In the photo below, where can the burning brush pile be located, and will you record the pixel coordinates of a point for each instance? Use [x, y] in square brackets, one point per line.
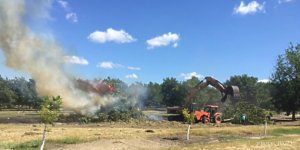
[125, 105]
[39, 55]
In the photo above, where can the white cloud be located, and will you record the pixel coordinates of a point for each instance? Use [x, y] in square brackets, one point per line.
[64, 4]
[75, 60]
[109, 65]
[111, 35]
[250, 8]
[72, 17]
[134, 68]
[264, 80]
[284, 1]
[188, 76]
[164, 40]
[131, 76]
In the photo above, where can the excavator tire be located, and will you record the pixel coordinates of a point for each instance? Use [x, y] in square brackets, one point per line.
[218, 119]
[204, 120]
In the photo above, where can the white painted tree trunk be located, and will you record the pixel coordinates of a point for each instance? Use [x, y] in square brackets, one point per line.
[266, 127]
[188, 133]
[44, 138]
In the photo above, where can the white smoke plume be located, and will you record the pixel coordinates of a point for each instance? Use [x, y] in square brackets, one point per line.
[41, 57]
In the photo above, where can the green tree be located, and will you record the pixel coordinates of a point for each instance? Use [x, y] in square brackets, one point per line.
[154, 95]
[286, 81]
[25, 91]
[263, 96]
[247, 86]
[7, 96]
[173, 92]
[119, 86]
[136, 94]
[49, 113]
[189, 117]
[205, 96]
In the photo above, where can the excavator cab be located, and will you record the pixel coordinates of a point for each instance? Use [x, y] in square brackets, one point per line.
[193, 107]
[212, 111]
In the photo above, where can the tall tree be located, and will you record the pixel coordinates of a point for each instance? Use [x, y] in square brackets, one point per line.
[247, 86]
[7, 96]
[25, 91]
[286, 81]
[205, 96]
[136, 94]
[173, 92]
[154, 95]
[263, 96]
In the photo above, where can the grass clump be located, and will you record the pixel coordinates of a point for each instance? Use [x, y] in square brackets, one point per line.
[282, 131]
[30, 145]
[35, 144]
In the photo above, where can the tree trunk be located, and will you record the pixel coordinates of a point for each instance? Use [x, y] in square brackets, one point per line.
[265, 128]
[294, 115]
[44, 138]
[188, 133]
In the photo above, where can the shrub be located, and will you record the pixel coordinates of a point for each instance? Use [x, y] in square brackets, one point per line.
[254, 114]
[101, 117]
[188, 117]
[125, 115]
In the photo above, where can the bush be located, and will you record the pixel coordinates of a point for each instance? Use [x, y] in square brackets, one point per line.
[101, 117]
[188, 117]
[119, 115]
[85, 120]
[73, 117]
[254, 114]
[125, 115]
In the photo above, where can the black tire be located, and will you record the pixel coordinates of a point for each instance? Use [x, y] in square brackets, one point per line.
[204, 119]
[196, 120]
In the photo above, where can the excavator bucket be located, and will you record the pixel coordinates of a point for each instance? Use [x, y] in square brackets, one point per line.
[233, 91]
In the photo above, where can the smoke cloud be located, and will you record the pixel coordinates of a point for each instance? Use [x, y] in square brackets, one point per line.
[42, 57]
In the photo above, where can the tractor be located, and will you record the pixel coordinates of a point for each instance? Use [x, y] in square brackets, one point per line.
[209, 114]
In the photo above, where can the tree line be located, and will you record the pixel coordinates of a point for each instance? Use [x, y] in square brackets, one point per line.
[174, 93]
[18, 93]
[281, 93]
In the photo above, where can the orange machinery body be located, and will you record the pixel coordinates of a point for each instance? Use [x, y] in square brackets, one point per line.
[207, 115]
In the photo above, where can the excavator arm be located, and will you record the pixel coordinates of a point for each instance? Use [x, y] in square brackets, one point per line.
[233, 91]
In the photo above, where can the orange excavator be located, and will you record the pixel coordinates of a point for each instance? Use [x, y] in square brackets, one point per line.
[210, 112]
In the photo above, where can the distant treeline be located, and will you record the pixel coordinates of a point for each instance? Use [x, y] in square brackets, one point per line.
[22, 93]
[18, 93]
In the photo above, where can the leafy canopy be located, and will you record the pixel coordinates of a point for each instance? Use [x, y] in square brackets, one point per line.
[51, 109]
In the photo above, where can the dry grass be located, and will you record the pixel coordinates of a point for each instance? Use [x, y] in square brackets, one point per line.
[167, 134]
[138, 135]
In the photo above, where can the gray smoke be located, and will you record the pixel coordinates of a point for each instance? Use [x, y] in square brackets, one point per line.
[41, 57]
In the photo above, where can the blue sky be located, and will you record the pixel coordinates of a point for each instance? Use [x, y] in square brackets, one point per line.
[139, 40]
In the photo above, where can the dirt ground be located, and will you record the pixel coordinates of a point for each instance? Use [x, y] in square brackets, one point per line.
[148, 135]
[120, 144]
